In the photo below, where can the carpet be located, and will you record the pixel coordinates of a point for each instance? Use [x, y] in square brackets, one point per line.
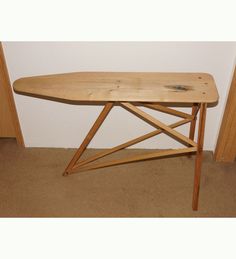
[32, 185]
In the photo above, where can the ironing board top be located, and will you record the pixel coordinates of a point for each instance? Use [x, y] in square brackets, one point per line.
[122, 86]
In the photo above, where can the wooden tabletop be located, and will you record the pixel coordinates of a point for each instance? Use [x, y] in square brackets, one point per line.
[122, 86]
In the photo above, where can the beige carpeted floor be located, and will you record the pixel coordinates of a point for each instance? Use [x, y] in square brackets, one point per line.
[32, 185]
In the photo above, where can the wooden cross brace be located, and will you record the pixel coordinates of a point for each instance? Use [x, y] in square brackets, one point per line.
[76, 165]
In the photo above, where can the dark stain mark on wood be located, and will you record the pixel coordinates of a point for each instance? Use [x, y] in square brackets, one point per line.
[179, 88]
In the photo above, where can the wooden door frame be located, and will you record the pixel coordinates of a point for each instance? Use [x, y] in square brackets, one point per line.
[226, 144]
[5, 82]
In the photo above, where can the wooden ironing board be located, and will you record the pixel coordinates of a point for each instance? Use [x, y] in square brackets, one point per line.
[131, 90]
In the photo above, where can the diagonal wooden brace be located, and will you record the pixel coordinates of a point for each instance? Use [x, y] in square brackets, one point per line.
[89, 136]
[153, 121]
[168, 110]
[137, 158]
[128, 143]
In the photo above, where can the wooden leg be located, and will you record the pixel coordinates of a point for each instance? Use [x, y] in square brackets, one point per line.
[195, 108]
[198, 161]
[89, 137]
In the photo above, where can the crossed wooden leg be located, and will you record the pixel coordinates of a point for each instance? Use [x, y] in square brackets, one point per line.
[77, 166]
[198, 159]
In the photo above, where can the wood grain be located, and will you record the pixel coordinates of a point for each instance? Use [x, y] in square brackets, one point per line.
[122, 86]
[6, 122]
[226, 144]
[9, 122]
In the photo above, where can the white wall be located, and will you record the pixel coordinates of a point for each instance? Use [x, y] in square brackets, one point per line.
[51, 124]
